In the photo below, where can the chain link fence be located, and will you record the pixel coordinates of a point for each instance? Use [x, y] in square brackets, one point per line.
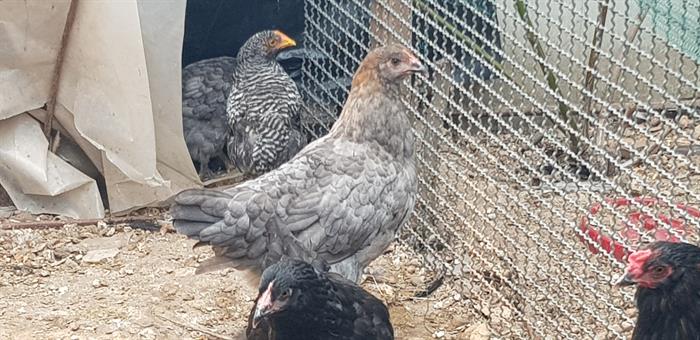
[554, 137]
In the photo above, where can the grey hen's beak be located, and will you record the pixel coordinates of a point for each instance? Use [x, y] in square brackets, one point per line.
[625, 280]
[417, 67]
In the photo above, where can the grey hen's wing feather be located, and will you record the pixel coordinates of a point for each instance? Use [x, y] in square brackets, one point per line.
[330, 200]
[345, 201]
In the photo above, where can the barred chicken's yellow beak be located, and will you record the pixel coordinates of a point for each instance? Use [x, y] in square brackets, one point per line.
[285, 41]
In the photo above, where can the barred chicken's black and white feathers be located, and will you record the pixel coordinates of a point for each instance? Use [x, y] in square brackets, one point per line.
[205, 87]
[263, 110]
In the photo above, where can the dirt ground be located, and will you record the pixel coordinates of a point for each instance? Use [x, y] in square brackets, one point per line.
[514, 263]
[117, 282]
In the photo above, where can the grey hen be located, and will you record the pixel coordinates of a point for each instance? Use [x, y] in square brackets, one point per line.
[263, 107]
[205, 87]
[299, 301]
[343, 197]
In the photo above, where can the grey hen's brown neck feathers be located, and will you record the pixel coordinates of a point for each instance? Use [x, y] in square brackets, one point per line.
[374, 112]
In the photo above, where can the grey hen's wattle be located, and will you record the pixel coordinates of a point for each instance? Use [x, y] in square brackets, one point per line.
[205, 87]
[325, 306]
[343, 197]
[263, 110]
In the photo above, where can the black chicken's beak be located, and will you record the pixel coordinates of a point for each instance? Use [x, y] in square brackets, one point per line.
[625, 280]
[258, 317]
[263, 307]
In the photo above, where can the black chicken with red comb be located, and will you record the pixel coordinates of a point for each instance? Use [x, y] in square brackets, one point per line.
[298, 300]
[668, 295]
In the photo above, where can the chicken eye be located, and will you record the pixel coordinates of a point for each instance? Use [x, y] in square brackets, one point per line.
[395, 61]
[285, 295]
[658, 270]
[272, 42]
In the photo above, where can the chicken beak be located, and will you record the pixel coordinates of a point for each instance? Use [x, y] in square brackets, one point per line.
[625, 280]
[263, 306]
[415, 66]
[258, 317]
[285, 41]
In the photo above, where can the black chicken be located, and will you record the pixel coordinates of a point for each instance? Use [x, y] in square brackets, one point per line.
[299, 301]
[668, 295]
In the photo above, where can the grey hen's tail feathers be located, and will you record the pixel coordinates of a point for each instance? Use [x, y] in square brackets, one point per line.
[202, 214]
[197, 209]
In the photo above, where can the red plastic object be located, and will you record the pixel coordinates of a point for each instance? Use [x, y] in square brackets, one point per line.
[634, 218]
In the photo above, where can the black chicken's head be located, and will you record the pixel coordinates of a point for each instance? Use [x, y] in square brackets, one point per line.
[661, 265]
[265, 45]
[282, 288]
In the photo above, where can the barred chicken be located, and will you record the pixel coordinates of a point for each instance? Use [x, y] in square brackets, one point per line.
[667, 276]
[205, 87]
[299, 301]
[343, 197]
[263, 107]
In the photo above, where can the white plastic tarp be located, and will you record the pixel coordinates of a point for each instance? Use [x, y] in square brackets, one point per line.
[118, 98]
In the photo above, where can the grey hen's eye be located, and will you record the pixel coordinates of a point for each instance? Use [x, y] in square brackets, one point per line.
[395, 61]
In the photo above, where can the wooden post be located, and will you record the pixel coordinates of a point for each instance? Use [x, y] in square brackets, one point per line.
[53, 92]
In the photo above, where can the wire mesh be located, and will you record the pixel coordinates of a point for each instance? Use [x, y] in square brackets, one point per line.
[554, 137]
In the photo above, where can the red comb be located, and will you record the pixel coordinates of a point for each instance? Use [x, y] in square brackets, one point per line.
[636, 261]
[636, 218]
